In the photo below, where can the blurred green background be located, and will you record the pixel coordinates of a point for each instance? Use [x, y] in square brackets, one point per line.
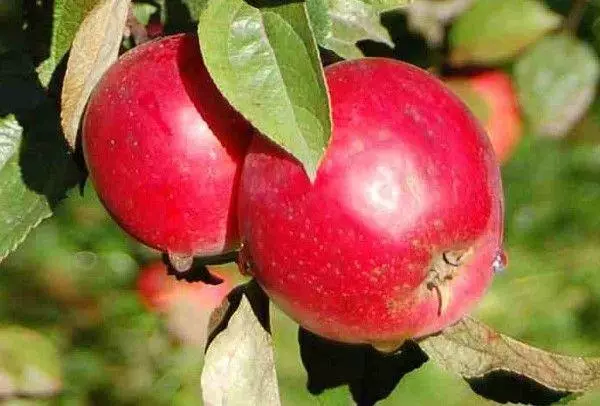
[73, 280]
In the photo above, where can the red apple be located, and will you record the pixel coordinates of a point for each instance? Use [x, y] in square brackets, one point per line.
[491, 97]
[398, 234]
[159, 290]
[186, 306]
[164, 149]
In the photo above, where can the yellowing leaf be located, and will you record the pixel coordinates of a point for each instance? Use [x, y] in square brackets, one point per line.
[489, 360]
[95, 48]
[239, 365]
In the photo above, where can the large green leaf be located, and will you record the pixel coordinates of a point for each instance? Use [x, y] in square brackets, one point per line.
[556, 82]
[35, 168]
[266, 63]
[340, 24]
[494, 31]
[68, 15]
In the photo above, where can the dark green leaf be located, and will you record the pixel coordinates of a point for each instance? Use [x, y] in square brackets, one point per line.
[29, 364]
[494, 31]
[239, 366]
[504, 369]
[35, 167]
[556, 92]
[68, 15]
[11, 21]
[430, 17]
[195, 7]
[95, 48]
[266, 63]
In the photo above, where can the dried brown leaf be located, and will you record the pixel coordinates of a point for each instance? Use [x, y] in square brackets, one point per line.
[95, 48]
[475, 351]
[239, 365]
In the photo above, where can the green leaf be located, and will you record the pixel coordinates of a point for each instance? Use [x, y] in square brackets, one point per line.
[95, 48]
[555, 92]
[430, 17]
[35, 167]
[143, 12]
[384, 5]
[506, 370]
[266, 63]
[340, 24]
[319, 19]
[68, 15]
[495, 31]
[239, 366]
[29, 364]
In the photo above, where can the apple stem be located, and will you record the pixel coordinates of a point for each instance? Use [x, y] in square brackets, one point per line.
[442, 270]
[186, 267]
[180, 262]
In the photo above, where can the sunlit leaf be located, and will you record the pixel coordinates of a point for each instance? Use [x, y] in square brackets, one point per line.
[556, 92]
[265, 61]
[504, 369]
[68, 15]
[340, 24]
[239, 365]
[494, 31]
[95, 48]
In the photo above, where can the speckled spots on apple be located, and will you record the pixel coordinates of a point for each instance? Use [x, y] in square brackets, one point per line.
[408, 178]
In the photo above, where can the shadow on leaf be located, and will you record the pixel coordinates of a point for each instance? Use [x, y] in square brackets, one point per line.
[504, 387]
[369, 374]
[503, 369]
[47, 167]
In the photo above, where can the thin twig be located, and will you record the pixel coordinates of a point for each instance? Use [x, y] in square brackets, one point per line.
[575, 15]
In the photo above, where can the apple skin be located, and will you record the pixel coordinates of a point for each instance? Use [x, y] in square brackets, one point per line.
[409, 178]
[164, 149]
[500, 118]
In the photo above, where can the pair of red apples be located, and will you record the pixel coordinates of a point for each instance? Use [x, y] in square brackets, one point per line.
[397, 236]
